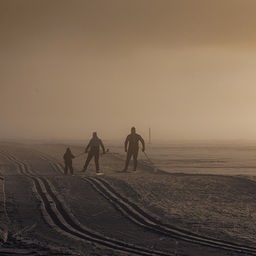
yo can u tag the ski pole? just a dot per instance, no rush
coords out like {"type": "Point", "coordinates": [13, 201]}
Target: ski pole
{"type": "Point", "coordinates": [80, 154]}
{"type": "Point", "coordinates": [107, 150]}
{"type": "Point", "coordinates": [153, 165]}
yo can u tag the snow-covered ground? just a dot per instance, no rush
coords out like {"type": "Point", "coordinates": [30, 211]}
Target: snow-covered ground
{"type": "Point", "coordinates": [198, 194]}
{"type": "Point", "coordinates": [195, 194]}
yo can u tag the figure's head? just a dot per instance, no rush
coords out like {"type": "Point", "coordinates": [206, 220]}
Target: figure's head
{"type": "Point", "coordinates": [133, 130]}
{"type": "Point", "coordinates": [68, 149]}
{"type": "Point", "coordinates": [94, 134]}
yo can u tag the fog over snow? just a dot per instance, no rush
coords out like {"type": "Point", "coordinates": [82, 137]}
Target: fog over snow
{"type": "Point", "coordinates": [184, 68]}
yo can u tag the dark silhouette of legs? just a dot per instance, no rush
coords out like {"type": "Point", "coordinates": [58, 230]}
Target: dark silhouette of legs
{"type": "Point", "coordinates": [131, 153]}
{"type": "Point", "coordinates": [66, 169]}
{"type": "Point", "coordinates": [91, 154]}
{"type": "Point", "coordinates": [89, 157]}
{"type": "Point", "coordinates": [135, 157]}
{"type": "Point", "coordinates": [128, 158]}
{"type": "Point", "coordinates": [71, 169]}
{"type": "Point", "coordinates": [96, 160]}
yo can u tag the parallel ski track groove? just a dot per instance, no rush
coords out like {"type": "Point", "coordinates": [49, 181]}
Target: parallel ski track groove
{"type": "Point", "coordinates": [75, 229]}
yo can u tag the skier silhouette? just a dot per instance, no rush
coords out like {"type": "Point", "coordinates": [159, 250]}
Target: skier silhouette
{"type": "Point", "coordinates": [94, 146]}
{"type": "Point", "coordinates": [68, 156]}
{"type": "Point", "coordinates": [131, 146]}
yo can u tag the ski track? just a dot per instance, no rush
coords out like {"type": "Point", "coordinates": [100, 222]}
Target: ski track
{"type": "Point", "coordinates": [58, 217]}
{"type": "Point", "coordinates": [140, 217]}
{"type": "Point", "coordinates": [136, 214]}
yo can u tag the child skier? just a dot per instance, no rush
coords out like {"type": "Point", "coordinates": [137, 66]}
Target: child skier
{"type": "Point", "coordinates": [68, 156]}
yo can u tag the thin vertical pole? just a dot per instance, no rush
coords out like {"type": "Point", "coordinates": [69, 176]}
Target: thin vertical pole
{"type": "Point", "coordinates": [149, 136]}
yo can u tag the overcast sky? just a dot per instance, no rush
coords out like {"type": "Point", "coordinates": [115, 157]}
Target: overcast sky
{"type": "Point", "coordinates": [185, 68]}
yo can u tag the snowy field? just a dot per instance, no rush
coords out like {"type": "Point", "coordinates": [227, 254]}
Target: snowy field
{"type": "Point", "coordinates": [202, 204]}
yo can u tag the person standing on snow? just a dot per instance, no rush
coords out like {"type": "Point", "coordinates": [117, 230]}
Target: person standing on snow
{"type": "Point", "coordinates": [131, 146]}
{"type": "Point", "coordinates": [93, 150]}
{"type": "Point", "coordinates": [68, 156]}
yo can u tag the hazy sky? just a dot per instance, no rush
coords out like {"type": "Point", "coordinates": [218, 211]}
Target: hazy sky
{"type": "Point", "coordinates": [185, 68]}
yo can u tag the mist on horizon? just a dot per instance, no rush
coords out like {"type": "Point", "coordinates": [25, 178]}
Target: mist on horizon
{"type": "Point", "coordinates": [185, 69]}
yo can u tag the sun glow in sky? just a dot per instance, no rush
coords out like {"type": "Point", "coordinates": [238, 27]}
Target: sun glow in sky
{"type": "Point", "coordinates": [184, 68]}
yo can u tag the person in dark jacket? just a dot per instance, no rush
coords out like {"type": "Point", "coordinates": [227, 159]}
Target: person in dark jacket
{"type": "Point", "coordinates": [68, 156]}
{"type": "Point", "coordinates": [93, 150]}
{"type": "Point", "coordinates": [131, 146]}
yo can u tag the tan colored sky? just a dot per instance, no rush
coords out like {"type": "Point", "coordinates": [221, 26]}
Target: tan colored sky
{"type": "Point", "coordinates": [184, 68]}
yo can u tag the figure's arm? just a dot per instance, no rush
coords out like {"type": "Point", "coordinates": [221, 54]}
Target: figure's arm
{"type": "Point", "coordinates": [102, 146]}
{"type": "Point", "coordinates": [143, 143]}
{"type": "Point", "coordinates": [126, 143]}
